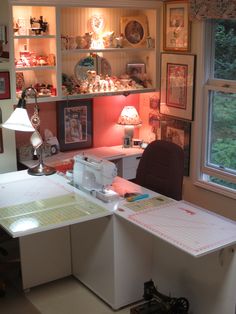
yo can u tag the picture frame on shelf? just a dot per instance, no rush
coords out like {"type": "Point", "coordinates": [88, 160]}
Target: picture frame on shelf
{"type": "Point", "coordinates": [176, 26]}
{"type": "Point", "coordinates": [75, 125]}
{"type": "Point", "coordinates": [178, 132]}
{"type": "Point", "coordinates": [135, 30]}
{"type": "Point", "coordinates": [177, 85]}
{"type": "Point", "coordinates": [136, 70]}
{"type": "Point", "coordinates": [5, 92]}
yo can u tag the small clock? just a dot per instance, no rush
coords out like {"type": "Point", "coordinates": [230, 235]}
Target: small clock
{"type": "Point", "coordinates": [54, 149]}
{"type": "Point", "coordinates": [144, 145]}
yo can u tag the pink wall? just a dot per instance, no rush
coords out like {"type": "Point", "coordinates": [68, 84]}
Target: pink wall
{"type": "Point", "coordinates": [106, 110]}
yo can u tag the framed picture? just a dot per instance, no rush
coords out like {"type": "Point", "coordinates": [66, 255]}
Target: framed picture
{"type": "Point", "coordinates": [178, 132]}
{"type": "Point", "coordinates": [4, 45]}
{"type": "Point", "coordinates": [74, 124]}
{"type": "Point", "coordinates": [134, 29]}
{"type": "Point", "coordinates": [3, 33]}
{"type": "Point", "coordinates": [20, 81]}
{"type": "Point", "coordinates": [136, 70]}
{"type": "Point", "coordinates": [5, 85]}
{"type": "Point", "coordinates": [177, 81]}
{"type": "Point", "coordinates": [176, 26]}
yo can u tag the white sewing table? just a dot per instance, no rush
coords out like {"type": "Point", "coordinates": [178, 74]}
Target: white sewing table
{"type": "Point", "coordinates": [114, 248]}
{"type": "Point", "coordinates": [125, 159]}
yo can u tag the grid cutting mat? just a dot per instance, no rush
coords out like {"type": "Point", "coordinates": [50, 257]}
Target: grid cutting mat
{"type": "Point", "coordinates": [43, 213]}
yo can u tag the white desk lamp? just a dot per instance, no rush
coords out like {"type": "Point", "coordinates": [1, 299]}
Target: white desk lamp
{"type": "Point", "coordinates": [129, 117]}
{"type": "Point", "coordinates": [19, 121]}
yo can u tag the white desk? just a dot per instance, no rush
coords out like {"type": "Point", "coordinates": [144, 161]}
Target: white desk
{"type": "Point", "coordinates": [115, 252]}
{"type": "Point", "coordinates": [126, 159]}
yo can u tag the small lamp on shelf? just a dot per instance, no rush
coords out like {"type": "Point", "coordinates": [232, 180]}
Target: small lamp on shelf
{"type": "Point", "coordinates": [129, 117]}
{"type": "Point", "coordinates": [19, 121]}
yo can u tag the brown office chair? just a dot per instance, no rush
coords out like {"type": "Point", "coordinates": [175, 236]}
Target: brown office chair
{"type": "Point", "coordinates": [161, 169]}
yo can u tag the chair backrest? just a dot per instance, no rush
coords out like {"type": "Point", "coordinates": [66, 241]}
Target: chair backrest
{"type": "Point", "coordinates": [161, 169]}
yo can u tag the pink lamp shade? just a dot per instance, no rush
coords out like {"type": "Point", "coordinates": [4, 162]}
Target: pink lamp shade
{"type": "Point", "coordinates": [129, 116]}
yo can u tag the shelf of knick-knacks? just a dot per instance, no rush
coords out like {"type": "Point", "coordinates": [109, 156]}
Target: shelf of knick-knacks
{"type": "Point", "coordinates": [121, 40]}
{"type": "Point", "coordinates": [35, 47]}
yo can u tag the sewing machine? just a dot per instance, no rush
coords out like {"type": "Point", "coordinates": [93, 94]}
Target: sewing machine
{"type": "Point", "coordinates": [42, 25]}
{"type": "Point", "coordinates": [95, 175]}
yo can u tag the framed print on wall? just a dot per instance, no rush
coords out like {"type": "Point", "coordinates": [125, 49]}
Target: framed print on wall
{"type": "Point", "coordinates": [178, 132]}
{"type": "Point", "coordinates": [5, 85]}
{"type": "Point", "coordinates": [74, 124]}
{"type": "Point", "coordinates": [177, 85]}
{"type": "Point", "coordinates": [176, 26]}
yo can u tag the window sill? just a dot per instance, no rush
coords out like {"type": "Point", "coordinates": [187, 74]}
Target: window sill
{"type": "Point", "coordinates": [215, 188]}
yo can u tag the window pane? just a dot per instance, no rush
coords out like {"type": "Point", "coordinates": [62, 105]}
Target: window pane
{"type": "Point", "coordinates": [225, 49]}
{"type": "Point", "coordinates": [222, 182]}
{"type": "Point", "coordinates": [222, 131]}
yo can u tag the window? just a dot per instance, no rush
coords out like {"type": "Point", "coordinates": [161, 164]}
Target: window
{"type": "Point", "coordinates": [219, 157]}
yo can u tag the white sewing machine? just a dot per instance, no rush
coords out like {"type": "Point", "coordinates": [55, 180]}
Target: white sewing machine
{"type": "Point", "coordinates": [94, 175]}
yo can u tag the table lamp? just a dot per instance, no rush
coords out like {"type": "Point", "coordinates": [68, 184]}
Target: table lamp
{"type": "Point", "coordinates": [19, 121]}
{"type": "Point", "coordinates": [129, 118]}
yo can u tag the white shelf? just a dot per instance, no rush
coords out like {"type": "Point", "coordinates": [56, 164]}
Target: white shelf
{"type": "Point", "coordinates": [33, 36]}
{"type": "Point", "coordinates": [115, 50]}
{"type": "Point", "coordinates": [36, 68]}
{"type": "Point", "coordinates": [111, 93]}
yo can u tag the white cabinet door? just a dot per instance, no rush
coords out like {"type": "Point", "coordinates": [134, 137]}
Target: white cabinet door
{"type": "Point", "coordinates": [129, 166]}
{"type": "Point", "coordinates": [45, 256]}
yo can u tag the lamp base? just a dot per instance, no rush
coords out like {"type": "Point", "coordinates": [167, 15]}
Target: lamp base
{"type": "Point", "coordinates": [127, 142]}
{"type": "Point", "coordinates": [41, 170]}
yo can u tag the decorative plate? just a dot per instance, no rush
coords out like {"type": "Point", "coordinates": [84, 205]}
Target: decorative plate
{"type": "Point", "coordinates": [98, 64]}
{"type": "Point", "coordinates": [82, 67]}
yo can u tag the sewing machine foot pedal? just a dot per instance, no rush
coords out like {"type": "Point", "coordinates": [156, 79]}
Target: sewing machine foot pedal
{"type": "Point", "coordinates": [158, 303]}
{"type": "Point", "coordinates": [150, 307]}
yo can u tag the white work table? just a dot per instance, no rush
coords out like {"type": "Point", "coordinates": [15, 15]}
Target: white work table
{"type": "Point", "coordinates": [126, 159]}
{"type": "Point", "coordinates": [31, 204]}
{"type": "Point", "coordinates": [110, 247]}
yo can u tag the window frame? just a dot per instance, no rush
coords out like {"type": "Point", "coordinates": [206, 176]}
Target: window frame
{"type": "Point", "coordinates": [212, 84]}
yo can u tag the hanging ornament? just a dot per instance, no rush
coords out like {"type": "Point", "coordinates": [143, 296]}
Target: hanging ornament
{"type": "Point", "coordinates": [97, 23]}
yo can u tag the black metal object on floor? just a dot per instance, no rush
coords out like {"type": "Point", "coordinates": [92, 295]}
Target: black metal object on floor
{"type": "Point", "coordinates": [158, 303]}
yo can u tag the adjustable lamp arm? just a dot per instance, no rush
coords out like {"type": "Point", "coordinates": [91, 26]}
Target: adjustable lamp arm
{"type": "Point", "coordinates": [35, 120]}
{"type": "Point", "coordinates": [22, 101]}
